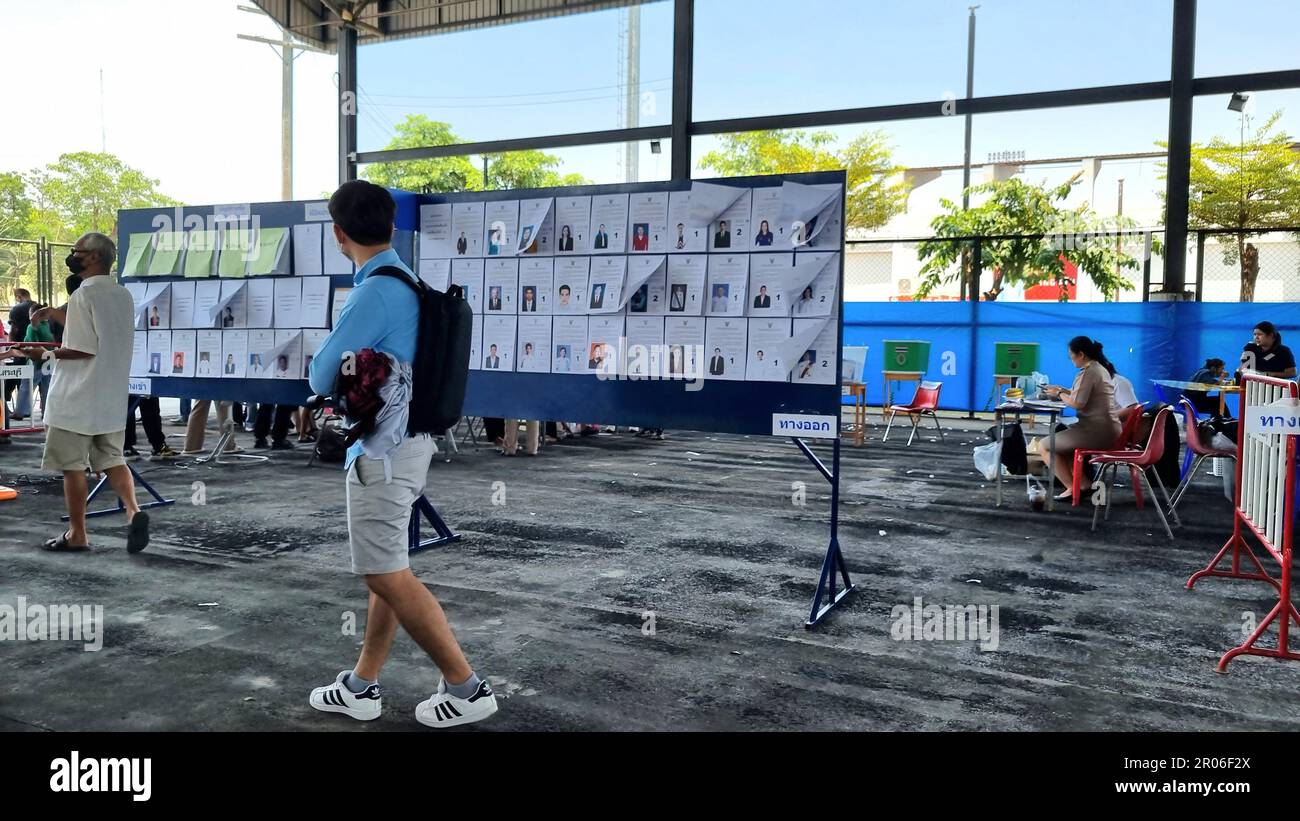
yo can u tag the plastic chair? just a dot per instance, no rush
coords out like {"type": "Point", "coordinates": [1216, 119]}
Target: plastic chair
{"type": "Point", "coordinates": [1126, 441]}
{"type": "Point", "coordinates": [1143, 461]}
{"type": "Point", "coordinates": [925, 403]}
{"type": "Point", "coordinates": [1195, 446]}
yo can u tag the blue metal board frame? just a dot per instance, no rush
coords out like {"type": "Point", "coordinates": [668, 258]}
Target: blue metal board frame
{"type": "Point", "coordinates": [720, 406]}
{"type": "Point", "coordinates": [270, 215]}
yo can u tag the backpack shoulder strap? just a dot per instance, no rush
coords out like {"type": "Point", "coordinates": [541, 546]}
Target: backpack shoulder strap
{"type": "Point", "coordinates": [393, 271]}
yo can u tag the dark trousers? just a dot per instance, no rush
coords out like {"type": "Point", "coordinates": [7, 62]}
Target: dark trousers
{"type": "Point", "coordinates": [494, 428]}
{"type": "Point", "coordinates": [278, 429]}
{"type": "Point", "coordinates": [151, 419]}
{"type": "Point", "coordinates": [237, 413]}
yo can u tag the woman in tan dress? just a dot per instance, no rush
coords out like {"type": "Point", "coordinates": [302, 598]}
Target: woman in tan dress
{"type": "Point", "coordinates": [1093, 399]}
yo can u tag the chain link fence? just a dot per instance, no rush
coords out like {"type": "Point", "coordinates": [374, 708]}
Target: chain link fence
{"type": "Point", "coordinates": [1249, 266]}
{"type": "Point", "coordinates": [1222, 266]}
{"type": "Point", "coordinates": [20, 266]}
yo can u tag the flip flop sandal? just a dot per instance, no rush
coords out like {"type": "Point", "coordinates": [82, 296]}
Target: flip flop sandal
{"type": "Point", "coordinates": [61, 545]}
{"type": "Point", "coordinates": [137, 533]}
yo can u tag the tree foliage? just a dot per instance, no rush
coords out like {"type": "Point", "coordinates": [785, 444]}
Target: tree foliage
{"type": "Point", "coordinates": [515, 169]}
{"type": "Point", "coordinates": [1046, 236]}
{"type": "Point", "coordinates": [876, 191]}
{"type": "Point", "coordinates": [1252, 182]}
{"type": "Point", "coordinates": [83, 191]}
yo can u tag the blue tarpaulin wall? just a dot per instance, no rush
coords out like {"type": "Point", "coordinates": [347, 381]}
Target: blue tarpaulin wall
{"type": "Point", "coordinates": [1145, 340]}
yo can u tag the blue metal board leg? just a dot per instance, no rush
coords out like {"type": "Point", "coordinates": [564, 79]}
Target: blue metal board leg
{"type": "Point", "coordinates": [834, 561]}
{"type": "Point", "coordinates": [423, 507]}
{"type": "Point", "coordinates": [159, 501]}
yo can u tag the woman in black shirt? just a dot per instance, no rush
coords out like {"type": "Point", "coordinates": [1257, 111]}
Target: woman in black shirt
{"type": "Point", "coordinates": [1267, 355]}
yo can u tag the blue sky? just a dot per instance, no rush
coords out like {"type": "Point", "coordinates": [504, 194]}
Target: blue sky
{"type": "Point", "coordinates": [752, 57]}
{"type": "Point", "coordinates": [764, 56]}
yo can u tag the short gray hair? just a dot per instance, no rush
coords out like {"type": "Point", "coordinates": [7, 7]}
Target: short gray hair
{"type": "Point", "coordinates": [97, 243]}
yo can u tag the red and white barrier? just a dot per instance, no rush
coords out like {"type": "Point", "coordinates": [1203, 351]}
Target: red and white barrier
{"type": "Point", "coordinates": [23, 373]}
{"type": "Point", "coordinates": [1264, 504]}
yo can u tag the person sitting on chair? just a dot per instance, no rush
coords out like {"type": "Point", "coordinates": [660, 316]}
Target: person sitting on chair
{"type": "Point", "coordinates": [1093, 398]}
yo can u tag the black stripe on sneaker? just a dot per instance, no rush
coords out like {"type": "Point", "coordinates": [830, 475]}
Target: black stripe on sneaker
{"type": "Point", "coordinates": [329, 697]}
{"type": "Point", "coordinates": [484, 690]}
{"type": "Point", "coordinates": [338, 697]}
{"type": "Point", "coordinates": [452, 709]}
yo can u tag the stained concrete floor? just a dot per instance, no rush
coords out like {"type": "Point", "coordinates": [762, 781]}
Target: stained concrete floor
{"type": "Point", "coordinates": [548, 592]}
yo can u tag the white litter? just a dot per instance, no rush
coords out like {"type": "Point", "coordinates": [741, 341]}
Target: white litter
{"type": "Point", "coordinates": [882, 533]}
{"type": "Point", "coordinates": [974, 581]}
{"type": "Point", "coordinates": [208, 604]}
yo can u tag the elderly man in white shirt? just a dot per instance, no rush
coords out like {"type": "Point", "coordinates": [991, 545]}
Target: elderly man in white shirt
{"type": "Point", "coordinates": [86, 425]}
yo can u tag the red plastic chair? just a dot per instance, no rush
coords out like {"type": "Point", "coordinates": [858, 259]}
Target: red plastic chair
{"type": "Point", "coordinates": [1126, 441]}
{"type": "Point", "coordinates": [1202, 450]}
{"type": "Point", "coordinates": [1143, 461]}
{"type": "Point", "coordinates": [925, 403]}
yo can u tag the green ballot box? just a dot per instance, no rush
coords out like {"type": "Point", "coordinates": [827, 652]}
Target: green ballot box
{"type": "Point", "coordinates": [1015, 358]}
{"type": "Point", "coordinates": [908, 356]}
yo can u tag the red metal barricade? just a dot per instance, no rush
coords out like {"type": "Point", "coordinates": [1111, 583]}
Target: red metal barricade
{"type": "Point", "coordinates": [5, 421]}
{"type": "Point", "coordinates": [1264, 506]}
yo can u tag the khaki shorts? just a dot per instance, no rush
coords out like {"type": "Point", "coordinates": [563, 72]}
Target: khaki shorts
{"type": "Point", "coordinates": [379, 512]}
{"type": "Point", "coordinates": [66, 450]}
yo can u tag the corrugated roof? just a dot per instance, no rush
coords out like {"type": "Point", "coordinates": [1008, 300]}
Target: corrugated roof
{"type": "Point", "coordinates": [317, 21]}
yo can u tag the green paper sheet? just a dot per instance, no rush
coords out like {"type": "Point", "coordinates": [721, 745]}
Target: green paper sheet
{"type": "Point", "coordinates": [138, 251]}
{"type": "Point", "coordinates": [167, 253]}
{"type": "Point", "coordinates": [269, 243]}
{"type": "Point", "coordinates": [235, 247]}
{"type": "Point", "coordinates": [198, 256]}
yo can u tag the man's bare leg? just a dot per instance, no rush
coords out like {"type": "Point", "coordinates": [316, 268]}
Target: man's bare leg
{"type": "Point", "coordinates": [74, 496]}
{"type": "Point", "coordinates": [381, 630]}
{"type": "Point", "coordinates": [422, 617]}
{"type": "Point", "coordinates": [123, 484]}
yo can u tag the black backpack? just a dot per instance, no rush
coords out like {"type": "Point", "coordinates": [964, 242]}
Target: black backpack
{"type": "Point", "coordinates": [441, 367]}
{"type": "Point", "coordinates": [330, 445]}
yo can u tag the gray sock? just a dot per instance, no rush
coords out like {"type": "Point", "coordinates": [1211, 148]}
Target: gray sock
{"type": "Point", "coordinates": [467, 689]}
{"type": "Point", "coordinates": [356, 684]}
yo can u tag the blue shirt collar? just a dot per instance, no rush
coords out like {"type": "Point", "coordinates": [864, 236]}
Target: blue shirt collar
{"type": "Point", "coordinates": [387, 257]}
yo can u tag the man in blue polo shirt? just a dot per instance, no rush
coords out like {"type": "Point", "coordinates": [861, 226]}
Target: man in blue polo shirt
{"type": "Point", "coordinates": [383, 480]}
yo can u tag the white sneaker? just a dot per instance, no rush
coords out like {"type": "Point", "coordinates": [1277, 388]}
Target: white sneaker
{"type": "Point", "coordinates": [337, 698]}
{"type": "Point", "coordinates": [445, 710]}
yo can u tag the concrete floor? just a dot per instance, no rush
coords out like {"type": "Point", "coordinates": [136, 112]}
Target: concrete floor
{"type": "Point", "coordinates": [547, 593]}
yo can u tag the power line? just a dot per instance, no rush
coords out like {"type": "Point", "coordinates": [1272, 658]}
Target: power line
{"type": "Point", "coordinates": [621, 86]}
{"type": "Point", "coordinates": [504, 105]}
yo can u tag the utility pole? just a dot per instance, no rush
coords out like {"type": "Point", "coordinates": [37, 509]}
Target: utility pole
{"type": "Point", "coordinates": [287, 50]}
{"type": "Point", "coordinates": [965, 168]}
{"type": "Point", "coordinates": [630, 76]}
{"type": "Point", "coordinates": [970, 93]}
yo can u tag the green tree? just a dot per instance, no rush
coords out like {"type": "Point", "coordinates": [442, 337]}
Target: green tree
{"type": "Point", "coordinates": [515, 169]}
{"type": "Point", "coordinates": [876, 191]}
{"type": "Point", "coordinates": [83, 191]}
{"type": "Point", "coordinates": [1015, 207]}
{"type": "Point", "coordinates": [1250, 183]}
{"type": "Point", "coordinates": [527, 169]}
{"type": "Point", "coordinates": [15, 207]}
{"type": "Point", "coordinates": [430, 174]}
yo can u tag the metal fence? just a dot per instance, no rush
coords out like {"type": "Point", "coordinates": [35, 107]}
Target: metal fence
{"type": "Point", "coordinates": [29, 263]}
{"type": "Point", "coordinates": [1247, 266]}
{"type": "Point", "coordinates": [891, 270]}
